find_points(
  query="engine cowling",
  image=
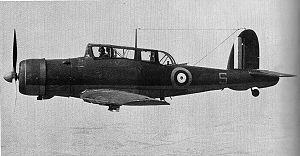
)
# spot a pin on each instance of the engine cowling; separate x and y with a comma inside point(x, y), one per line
point(32, 77)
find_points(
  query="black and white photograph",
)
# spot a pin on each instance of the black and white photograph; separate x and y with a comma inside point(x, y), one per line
point(150, 77)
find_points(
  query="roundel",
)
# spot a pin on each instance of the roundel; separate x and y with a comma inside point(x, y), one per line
point(181, 77)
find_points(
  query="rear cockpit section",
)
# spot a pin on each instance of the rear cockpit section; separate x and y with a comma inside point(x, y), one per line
point(245, 52)
point(104, 51)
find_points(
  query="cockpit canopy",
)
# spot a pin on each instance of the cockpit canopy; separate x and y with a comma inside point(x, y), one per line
point(106, 51)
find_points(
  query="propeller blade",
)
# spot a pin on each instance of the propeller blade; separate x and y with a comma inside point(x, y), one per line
point(13, 75)
point(15, 52)
point(16, 89)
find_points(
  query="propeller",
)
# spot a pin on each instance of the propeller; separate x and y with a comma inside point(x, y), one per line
point(13, 75)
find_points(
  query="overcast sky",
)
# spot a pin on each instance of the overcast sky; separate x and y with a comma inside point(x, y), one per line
point(211, 123)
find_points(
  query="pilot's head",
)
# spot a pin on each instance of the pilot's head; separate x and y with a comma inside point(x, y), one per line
point(101, 49)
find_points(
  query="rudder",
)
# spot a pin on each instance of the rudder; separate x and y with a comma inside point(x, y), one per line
point(247, 52)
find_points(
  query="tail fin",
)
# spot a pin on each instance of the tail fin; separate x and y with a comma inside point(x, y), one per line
point(247, 55)
point(230, 64)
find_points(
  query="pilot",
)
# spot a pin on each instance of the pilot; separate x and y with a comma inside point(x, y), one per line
point(152, 57)
point(102, 53)
point(108, 51)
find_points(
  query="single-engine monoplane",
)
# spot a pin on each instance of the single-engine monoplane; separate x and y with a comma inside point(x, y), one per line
point(114, 75)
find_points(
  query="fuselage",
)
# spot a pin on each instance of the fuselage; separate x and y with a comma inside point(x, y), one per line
point(70, 77)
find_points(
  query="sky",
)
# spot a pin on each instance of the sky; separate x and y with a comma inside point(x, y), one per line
point(212, 123)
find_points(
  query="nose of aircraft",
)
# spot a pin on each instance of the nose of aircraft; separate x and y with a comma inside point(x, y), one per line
point(10, 76)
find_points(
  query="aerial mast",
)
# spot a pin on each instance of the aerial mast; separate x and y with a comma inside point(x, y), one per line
point(135, 41)
point(137, 55)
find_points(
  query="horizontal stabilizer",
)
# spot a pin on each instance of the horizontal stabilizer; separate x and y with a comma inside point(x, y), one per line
point(269, 73)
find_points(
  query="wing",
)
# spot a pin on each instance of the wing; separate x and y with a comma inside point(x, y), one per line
point(117, 97)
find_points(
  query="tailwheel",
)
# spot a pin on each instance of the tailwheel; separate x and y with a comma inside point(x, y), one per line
point(255, 92)
point(114, 108)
